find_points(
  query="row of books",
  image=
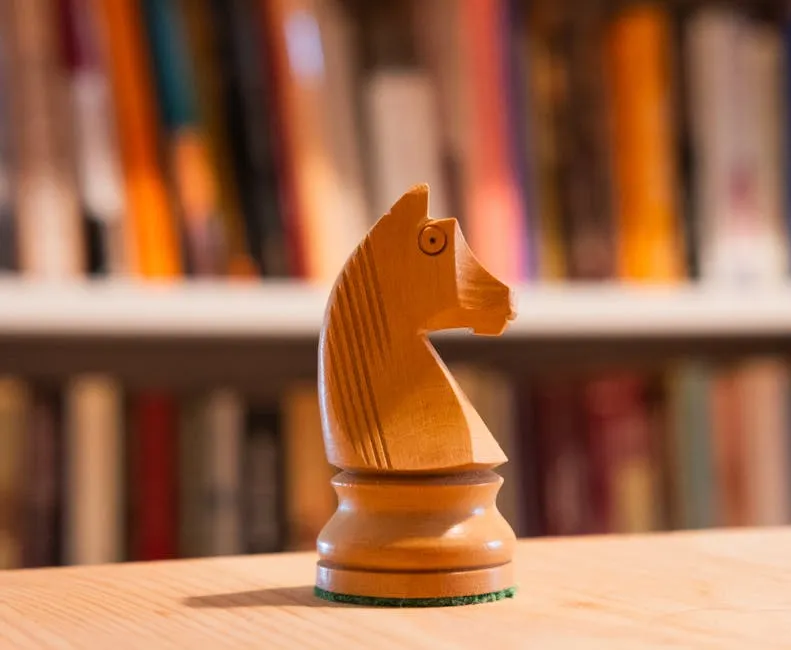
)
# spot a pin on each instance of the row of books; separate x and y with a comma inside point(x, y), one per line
point(575, 139)
point(695, 445)
point(657, 147)
point(91, 472)
point(146, 137)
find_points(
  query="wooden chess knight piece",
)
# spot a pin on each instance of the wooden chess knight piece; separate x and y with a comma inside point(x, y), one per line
point(417, 517)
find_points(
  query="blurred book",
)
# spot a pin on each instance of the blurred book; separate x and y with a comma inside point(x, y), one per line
point(192, 458)
point(14, 418)
point(641, 88)
point(437, 42)
point(328, 206)
point(263, 477)
point(212, 450)
point(190, 171)
point(737, 133)
point(94, 473)
point(95, 140)
point(247, 105)
point(764, 395)
point(224, 451)
point(152, 462)
point(694, 432)
point(404, 133)
point(49, 224)
point(496, 209)
point(153, 229)
point(43, 478)
point(211, 89)
point(310, 500)
point(621, 480)
point(8, 221)
point(558, 417)
point(574, 184)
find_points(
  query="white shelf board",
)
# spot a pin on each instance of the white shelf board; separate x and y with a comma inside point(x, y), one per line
point(291, 309)
point(128, 308)
point(633, 310)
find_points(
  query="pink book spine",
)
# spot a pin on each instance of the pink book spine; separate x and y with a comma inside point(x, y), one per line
point(497, 230)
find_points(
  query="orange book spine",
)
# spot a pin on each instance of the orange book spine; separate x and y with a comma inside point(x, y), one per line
point(155, 246)
point(639, 65)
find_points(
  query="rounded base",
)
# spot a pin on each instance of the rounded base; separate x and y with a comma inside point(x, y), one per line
point(456, 601)
point(412, 585)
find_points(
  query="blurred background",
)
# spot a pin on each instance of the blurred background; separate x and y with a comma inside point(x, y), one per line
point(181, 181)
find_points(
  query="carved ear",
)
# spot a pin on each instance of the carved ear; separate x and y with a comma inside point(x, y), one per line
point(413, 205)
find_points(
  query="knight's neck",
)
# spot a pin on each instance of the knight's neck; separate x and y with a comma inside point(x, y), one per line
point(416, 372)
point(413, 355)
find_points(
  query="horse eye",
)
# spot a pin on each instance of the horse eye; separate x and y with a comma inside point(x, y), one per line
point(432, 240)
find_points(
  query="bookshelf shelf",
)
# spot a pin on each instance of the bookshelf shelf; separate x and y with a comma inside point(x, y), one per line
point(185, 309)
point(293, 310)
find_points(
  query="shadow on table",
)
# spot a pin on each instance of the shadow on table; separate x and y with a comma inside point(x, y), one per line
point(273, 597)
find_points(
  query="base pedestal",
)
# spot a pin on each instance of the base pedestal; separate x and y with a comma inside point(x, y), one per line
point(416, 537)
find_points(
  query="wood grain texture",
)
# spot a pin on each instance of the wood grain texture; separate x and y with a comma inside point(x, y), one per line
point(417, 537)
point(723, 589)
point(388, 402)
point(416, 515)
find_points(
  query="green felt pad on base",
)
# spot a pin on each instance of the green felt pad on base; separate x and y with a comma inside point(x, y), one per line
point(453, 601)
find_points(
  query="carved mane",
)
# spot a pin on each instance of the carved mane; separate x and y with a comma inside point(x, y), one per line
point(356, 340)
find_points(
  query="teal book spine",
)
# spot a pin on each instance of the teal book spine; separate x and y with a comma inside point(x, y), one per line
point(191, 169)
point(173, 71)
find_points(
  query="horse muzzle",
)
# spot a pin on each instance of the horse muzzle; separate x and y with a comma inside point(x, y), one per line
point(488, 306)
point(495, 322)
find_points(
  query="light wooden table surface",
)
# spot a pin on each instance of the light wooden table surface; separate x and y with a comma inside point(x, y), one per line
point(724, 589)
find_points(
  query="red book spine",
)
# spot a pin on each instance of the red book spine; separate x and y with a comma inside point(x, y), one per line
point(597, 412)
point(275, 59)
point(617, 431)
point(153, 489)
point(559, 423)
point(604, 404)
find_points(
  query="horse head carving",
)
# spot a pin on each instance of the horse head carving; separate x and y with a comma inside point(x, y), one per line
point(388, 402)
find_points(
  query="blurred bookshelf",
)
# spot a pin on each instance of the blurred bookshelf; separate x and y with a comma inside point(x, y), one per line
point(182, 180)
point(290, 309)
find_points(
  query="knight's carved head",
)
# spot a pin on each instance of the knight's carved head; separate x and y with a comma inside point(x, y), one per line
point(429, 274)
